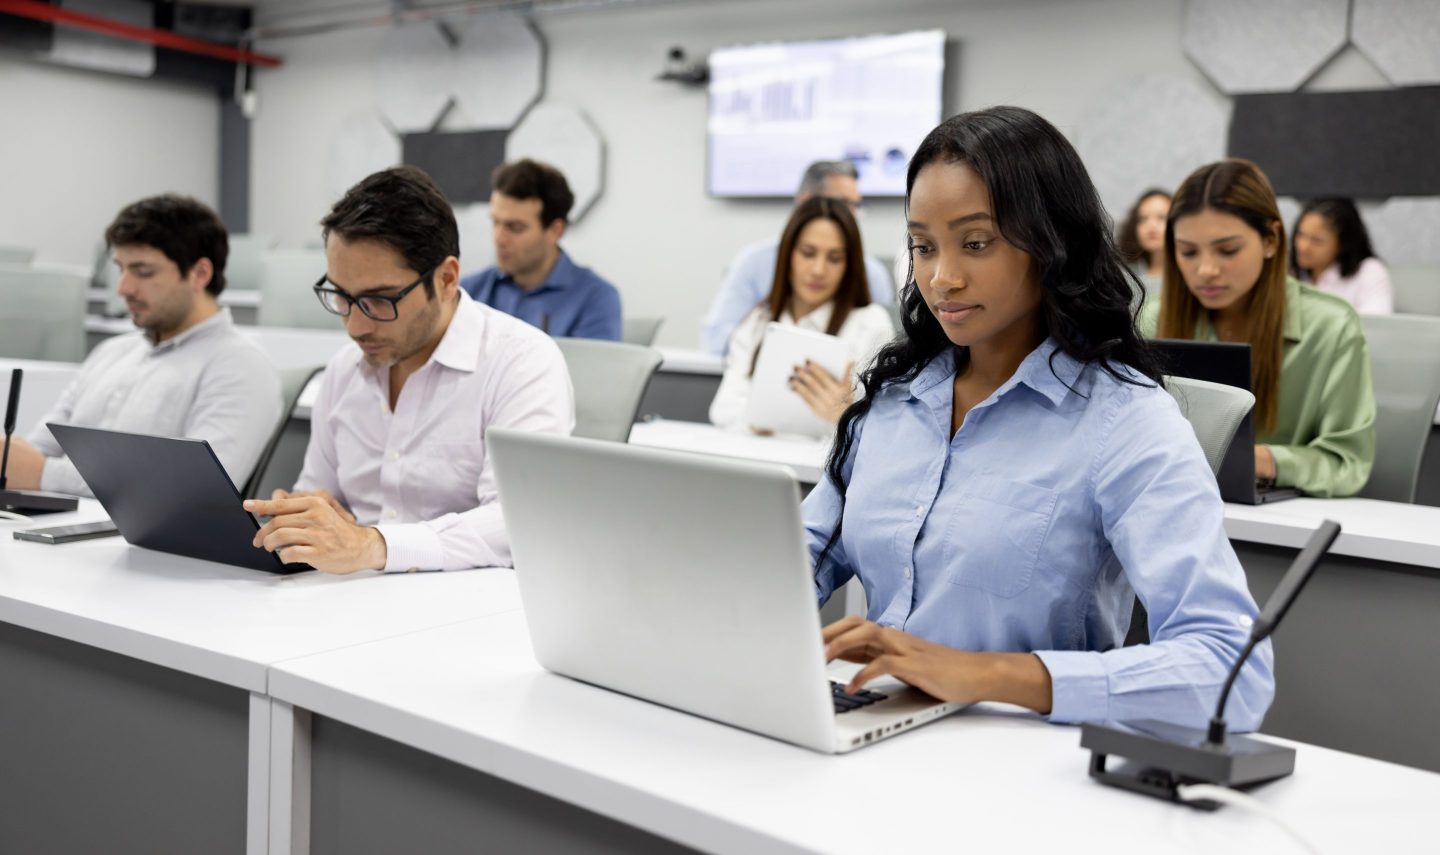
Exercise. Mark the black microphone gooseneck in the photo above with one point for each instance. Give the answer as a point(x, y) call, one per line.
point(1275, 608)
point(11, 413)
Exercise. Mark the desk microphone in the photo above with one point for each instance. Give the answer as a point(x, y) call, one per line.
point(25, 500)
point(1164, 757)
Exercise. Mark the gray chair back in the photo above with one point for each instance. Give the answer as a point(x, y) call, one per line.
point(281, 459)
point(641, 331)
point(1214, 412)
point(247, 255)
point(286, 299)
point(1405, 370)
point(21, 255)
point(609, 379)
point(1417, 288)
point(42, 313)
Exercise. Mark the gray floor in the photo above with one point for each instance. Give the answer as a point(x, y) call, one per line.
point(103, 753)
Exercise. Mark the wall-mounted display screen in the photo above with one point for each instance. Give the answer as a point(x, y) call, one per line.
point(775, 108)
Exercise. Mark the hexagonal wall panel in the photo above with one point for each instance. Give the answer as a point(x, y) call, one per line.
point(477, 246)
point(1403, 230)
point(362, 144)
point(1149, 131)
point(1270, 46)
point(499, 71)
point(564, 138)
point(413, 76)
point(1402, 38)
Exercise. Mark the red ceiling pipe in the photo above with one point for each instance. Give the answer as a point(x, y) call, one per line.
point(149, 35)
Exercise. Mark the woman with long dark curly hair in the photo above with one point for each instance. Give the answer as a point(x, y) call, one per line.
point(1014, 475)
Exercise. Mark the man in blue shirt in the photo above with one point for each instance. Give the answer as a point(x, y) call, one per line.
point(533, 279)
point(751, 274)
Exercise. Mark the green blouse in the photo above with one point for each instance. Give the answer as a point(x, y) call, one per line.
point(1324, 436)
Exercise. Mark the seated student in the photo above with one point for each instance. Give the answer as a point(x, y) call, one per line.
point(533, 279)
point(396, 477)
point(1332, 252)
point(187, 372)
point(1141, 239)
point(819, 284)
point(1225, 281)
point(752, 272)
point(1015, 475)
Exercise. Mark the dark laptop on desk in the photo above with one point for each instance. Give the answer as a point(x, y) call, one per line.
point(171, 495)
point(1227, 363)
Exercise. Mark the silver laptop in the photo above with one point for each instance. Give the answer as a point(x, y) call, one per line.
point(684, 580)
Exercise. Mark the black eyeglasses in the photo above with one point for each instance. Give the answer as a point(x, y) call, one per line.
point(376, 307)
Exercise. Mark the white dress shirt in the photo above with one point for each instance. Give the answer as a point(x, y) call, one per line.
point(1369, 290)
point(864, 332)
point(420, 474)
point(209, 382)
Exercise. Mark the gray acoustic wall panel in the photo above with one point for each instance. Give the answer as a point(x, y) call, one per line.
point(459, 161)
point(477, 242)
point(499, 69)
point(414, 76)
point(1362, 144)
point(563, 137)
point(1406, 231)
point(362, 144)
point(1269, 46)
point(1402, 38)
point(1289, 214)
point(1149, 131)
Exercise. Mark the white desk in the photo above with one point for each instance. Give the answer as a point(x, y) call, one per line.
point(40, 390)
point(804, 456)
point(472, 693)
point(192, 619)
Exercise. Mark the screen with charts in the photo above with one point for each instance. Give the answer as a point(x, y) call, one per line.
point(775, 108)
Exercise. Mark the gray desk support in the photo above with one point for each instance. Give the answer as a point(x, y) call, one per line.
point(1427, 492)
point(679, 395)
point(1355, 658)
point(105, 753)
point(373, 795)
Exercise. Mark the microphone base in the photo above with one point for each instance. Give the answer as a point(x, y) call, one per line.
point(36, 501)
point(1158, 758)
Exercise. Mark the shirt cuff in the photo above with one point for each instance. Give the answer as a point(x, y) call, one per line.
point(59, 475)
point(1079, 685)
point(410, 547)
point(1284, 465)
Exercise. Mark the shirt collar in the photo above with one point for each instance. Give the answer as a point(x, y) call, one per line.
point(818, 319)
point(221, 320)
point(1052, 378)
point(562, 275)
point(459, 348)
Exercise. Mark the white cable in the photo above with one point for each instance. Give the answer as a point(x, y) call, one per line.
point(1235, 798)
point(13, 517)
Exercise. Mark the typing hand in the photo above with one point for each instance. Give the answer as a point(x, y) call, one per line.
point(26, 464)
point(340, 509)
point(825, 394)
point(309, 530)
point(1264, 464)
point(939, 671)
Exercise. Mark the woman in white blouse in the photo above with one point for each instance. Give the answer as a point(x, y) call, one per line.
point(1332, 252)
point(819, 284)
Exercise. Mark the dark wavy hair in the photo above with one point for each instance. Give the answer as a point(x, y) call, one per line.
point(1350, 232)
point(403, 208)
point(185, 230)
point(1045, 205)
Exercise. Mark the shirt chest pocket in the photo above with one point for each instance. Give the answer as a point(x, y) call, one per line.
point(993, 539)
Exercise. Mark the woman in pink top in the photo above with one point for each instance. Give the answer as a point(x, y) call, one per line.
point(1332, 252)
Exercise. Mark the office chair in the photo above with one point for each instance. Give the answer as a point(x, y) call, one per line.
point(1417, 288)
point(609, 379)
point(42, 313)
point(641, 331)
point(284, 454)
point(1405, 371)
point(287, 277)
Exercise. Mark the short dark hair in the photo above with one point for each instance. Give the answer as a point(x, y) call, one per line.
point(1344, 219)
point(184, 229)
point(403, 208)
point(531, 179)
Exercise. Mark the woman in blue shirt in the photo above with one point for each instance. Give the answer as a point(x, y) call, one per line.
point(1015, 475)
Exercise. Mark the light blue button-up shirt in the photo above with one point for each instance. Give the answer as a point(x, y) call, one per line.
point(1034, 527)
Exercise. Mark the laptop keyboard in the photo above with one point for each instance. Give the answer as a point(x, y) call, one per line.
point(845, 702)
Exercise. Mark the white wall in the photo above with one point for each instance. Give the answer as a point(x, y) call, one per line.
point(77, 146)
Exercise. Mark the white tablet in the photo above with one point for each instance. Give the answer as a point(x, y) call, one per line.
point(773, 404)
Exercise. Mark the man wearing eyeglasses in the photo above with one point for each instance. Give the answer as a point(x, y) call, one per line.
point(750, 275)
point(186, 371)
point(396, 477)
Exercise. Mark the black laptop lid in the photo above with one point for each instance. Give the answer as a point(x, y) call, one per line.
point(167, 494)
point(1227, 363)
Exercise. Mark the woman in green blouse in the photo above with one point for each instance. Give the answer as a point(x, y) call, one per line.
point(1225, 280)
